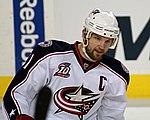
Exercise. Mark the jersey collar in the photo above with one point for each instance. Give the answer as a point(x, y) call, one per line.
point(85, 64)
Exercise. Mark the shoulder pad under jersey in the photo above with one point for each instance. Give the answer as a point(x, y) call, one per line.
point(116, 66)
point(47, 47)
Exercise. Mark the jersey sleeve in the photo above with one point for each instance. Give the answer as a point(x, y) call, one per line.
point(24, 87)
point(114, 102)
point(33, 75)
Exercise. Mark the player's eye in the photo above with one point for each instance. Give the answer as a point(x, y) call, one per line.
point(108, 42)
point(97, 38)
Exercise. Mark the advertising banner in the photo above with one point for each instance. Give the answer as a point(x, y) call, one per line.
point(28, 28)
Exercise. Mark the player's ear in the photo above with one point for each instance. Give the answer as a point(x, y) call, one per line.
point(84, 33)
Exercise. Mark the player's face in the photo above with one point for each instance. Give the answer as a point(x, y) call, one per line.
point(98, 46)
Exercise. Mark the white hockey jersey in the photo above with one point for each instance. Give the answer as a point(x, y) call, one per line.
point(80, 90)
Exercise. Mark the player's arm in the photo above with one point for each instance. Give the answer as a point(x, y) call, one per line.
point(24, 87)
point(42, 103)
point(113, 103)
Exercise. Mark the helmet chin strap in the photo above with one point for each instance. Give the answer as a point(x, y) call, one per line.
point(84, 51)
point(85, 44)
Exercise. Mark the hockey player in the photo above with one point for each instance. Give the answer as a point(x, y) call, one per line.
point(86, 84)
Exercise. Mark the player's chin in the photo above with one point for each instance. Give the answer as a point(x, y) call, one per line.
point(98, 54)
point(98, 57)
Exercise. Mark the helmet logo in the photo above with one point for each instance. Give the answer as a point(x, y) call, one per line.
point(95, 11)
point(103, 23)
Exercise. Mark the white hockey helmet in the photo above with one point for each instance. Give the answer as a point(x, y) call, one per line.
point(102, 23)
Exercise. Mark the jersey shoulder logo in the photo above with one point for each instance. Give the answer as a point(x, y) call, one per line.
point(45, 43)
point(63, 70)
point(124, 68)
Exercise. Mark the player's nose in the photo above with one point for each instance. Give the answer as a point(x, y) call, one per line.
point(101, 44)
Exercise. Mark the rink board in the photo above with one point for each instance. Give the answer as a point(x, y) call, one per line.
point(138, 87)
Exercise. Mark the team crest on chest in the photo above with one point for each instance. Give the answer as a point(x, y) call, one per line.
point(63, 70)
point(76, 100)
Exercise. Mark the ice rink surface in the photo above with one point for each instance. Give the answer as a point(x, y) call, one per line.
point(137, 109)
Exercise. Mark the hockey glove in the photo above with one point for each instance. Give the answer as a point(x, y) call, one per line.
point(24, 117)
